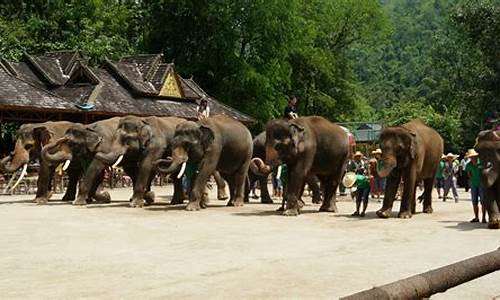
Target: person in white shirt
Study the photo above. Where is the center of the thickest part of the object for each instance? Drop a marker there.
(203, 109)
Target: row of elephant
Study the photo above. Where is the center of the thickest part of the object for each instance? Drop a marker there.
(313, 148)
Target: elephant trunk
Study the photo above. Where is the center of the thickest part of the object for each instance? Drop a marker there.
(389, 165)
(174, 163)
(16, 159)
(62, 152)
(113, 157)
(258, 167)
(490, 175)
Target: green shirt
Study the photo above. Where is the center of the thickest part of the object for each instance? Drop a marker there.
(363, 182)
(191, 169)
(380, 164)
(474, 171)
(439, 172)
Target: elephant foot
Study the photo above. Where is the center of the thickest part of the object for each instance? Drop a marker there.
(193, 206)
(137, 203)
(404, 215)
(494, 222)
(103, 197)
(222, 195)
(281, 208)
(68, 198)
(41, 200)
(328, 208)
(177, 200)
(266, 200)
(291, 212)
(384, 213)
(149, 197)
(428, 210)
(80, 201)
(237, 203)
(317, 200)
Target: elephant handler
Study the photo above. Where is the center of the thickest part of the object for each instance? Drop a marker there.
(473, 170)
(189, 175)
(362, 192)
(291, 109)
(440, 176)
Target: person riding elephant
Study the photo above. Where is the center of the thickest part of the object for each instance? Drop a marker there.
(410, 152)
(309, 146)
(488, 147)
(30, 138)
(79, 144)
(138, 142)
(216, 143)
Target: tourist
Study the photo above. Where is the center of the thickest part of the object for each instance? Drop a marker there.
(203, 109)
(188, 178)
(463, 179)
(440, 176)
(379, 181)
(473, 170)
(291, 109)
(362, 192)
(449, 173)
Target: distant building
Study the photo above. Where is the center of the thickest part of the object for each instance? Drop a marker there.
(364, 132)
(60, 85)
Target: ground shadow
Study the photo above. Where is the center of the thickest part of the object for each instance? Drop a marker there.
(368, 216)
(17, 201)
(273, 212)
(465, 226)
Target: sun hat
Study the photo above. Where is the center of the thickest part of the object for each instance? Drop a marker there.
(451, 156)
(349, 179)
(358, 153)
(377, 151)
(471, 153)
(443, 156)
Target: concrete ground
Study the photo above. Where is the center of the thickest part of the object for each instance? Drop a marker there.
(113, 251)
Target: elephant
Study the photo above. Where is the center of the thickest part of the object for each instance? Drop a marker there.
(80, 144)
(259, 151)
(488, 147)
(138, 142)
(410, 152)
(217, 143)
(30, 138)
(309, 146)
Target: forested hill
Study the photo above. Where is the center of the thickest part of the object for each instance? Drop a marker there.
(348, 60)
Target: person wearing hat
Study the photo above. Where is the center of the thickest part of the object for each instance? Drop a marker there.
(362, 183)
(291, 109)
(203, 109)
(379, 181)
(355, 164)
(440, 176)
(463, 179)
(473, 170)
(450, 180)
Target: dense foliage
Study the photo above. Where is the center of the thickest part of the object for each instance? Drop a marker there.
(348, 60)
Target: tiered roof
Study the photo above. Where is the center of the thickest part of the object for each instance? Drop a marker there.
(139, 85)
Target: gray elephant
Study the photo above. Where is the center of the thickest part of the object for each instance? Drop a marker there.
(410, 152)
(309, 146)
(80, 144)
(216, 143)
(488, 147)
(30, 138)
(138, 143)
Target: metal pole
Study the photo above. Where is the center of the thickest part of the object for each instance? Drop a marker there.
(436, 281)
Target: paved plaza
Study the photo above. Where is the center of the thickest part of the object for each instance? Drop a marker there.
(113, 251)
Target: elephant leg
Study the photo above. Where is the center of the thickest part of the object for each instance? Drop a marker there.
(329, 184)
(131, 171)
(264, 191)
(428, 186)
(90, 182)
(391, 189)
(493, 203)
(294, 185)
(238, 191)
(221, 186)
(313, 183)
(149, 196)
(230, 183)
(74, 174)
(178, 197)
(408, 198)
(142, 180)
(200, 183)
(45, 175)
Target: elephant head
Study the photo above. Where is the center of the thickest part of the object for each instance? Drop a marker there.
(285, 140)
(30, 138)
(78, 141)
(398, 149)
(488, 147)
(191, 141)
(132, 134)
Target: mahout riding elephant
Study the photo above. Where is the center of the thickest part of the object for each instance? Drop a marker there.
(488, 147)
(410, 152)
(259, 151)
(80, 144)
(30, 138)
(309, 146)
(217, 143)
(138, 143)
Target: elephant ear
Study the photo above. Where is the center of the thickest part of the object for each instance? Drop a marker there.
(42, 136)
(93, 140)
(207, 136)
(145, 134)
(298, 134)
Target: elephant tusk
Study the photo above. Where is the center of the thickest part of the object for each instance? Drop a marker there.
(9, 183)
(23, 173)
(278, 173)
(118, 161)
(66, 165)
(181, 172)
